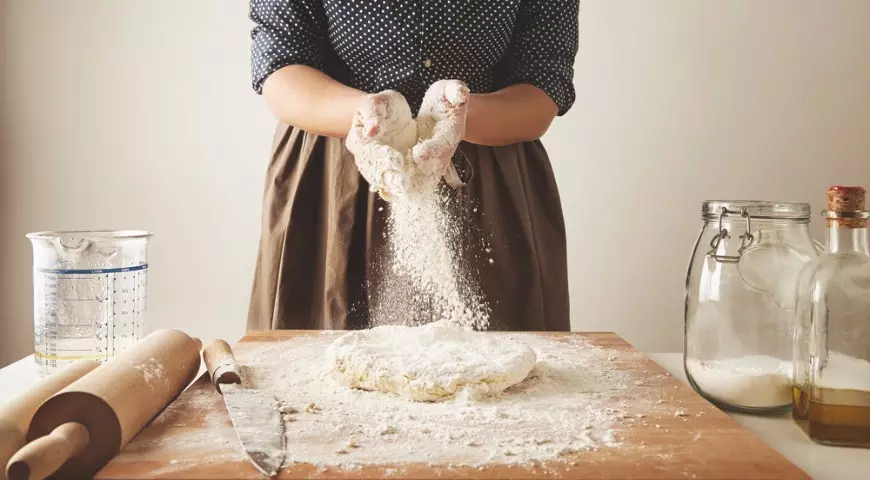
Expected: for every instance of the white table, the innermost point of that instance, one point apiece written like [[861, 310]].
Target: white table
[[780, 433]]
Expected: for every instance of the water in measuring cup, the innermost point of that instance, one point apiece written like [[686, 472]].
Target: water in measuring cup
[[90, 300]]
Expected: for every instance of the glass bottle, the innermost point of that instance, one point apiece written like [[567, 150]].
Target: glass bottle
[[739, 309], [832, 336]]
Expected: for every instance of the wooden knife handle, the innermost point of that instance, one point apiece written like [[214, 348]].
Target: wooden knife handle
[[221, 363], [45, 455]]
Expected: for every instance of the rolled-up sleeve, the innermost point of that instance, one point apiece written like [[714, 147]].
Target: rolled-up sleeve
[[543, 48], [285, 32]]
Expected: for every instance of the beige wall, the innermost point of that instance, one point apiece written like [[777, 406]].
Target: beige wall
[[138, 114]]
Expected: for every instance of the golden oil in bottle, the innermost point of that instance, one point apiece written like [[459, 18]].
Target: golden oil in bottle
[[833, 416]]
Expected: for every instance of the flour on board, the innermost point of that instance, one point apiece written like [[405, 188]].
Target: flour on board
[[577, 405], [570, 403]]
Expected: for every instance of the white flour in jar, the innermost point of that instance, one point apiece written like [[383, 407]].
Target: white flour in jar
[[755, 381], [844, 372]]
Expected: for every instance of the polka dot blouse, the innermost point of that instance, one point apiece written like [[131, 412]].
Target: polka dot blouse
[[406, 45]]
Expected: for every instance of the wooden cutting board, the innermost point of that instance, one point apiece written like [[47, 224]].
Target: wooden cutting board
[[706, 445]]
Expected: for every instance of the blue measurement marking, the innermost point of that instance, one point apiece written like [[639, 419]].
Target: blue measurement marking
[[98, 271]]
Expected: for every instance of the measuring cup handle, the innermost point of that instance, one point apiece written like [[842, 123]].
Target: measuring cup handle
[[72, 244]]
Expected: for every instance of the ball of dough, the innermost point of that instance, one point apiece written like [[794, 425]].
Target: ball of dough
[[430, 362]]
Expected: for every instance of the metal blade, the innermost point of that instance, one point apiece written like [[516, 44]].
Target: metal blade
[[258, 425]]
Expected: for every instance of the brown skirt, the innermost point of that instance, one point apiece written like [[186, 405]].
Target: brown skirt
[[322, 231]]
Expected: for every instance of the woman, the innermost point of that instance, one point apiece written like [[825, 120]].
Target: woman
[[316, 61]]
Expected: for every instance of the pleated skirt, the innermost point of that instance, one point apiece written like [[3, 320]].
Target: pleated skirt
[[324, 237]]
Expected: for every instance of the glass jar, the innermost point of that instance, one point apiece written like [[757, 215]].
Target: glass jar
[[832, 336], [740, 297]]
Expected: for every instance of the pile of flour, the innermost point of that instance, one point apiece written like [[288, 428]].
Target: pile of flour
[[429, 362]]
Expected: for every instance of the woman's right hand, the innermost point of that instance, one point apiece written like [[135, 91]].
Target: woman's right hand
[[380, 164]]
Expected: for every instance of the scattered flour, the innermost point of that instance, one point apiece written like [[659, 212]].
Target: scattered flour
[[429, 362], [755, 381], [199, 434], [151, 371], [567, 405]]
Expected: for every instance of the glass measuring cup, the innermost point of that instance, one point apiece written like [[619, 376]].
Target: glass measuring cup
[[89, 294]]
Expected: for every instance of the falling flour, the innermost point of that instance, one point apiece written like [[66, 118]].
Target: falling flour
[[424, 278], [420, 278], [755, 381]]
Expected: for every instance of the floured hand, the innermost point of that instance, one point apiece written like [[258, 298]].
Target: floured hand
[[380, 139], [440, 128]]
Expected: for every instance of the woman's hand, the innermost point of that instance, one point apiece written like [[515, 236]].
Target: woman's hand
[[441, 126], [371, 141]]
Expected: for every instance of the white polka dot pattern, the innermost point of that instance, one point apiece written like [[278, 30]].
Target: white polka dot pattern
[[407, 45]]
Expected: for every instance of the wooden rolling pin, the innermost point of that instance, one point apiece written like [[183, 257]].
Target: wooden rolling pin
[[15, 416], [78, 430]]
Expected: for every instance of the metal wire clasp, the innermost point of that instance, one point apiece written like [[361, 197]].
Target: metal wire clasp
[[745, 240]]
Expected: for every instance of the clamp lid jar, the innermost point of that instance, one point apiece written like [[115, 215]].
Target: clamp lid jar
[[739, 302]]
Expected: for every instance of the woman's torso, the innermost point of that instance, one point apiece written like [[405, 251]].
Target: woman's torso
[[408, 45]]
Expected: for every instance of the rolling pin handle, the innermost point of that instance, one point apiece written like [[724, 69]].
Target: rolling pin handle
[[45, 455], [221, 364]]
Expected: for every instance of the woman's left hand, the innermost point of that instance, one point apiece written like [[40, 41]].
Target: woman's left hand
[[376, 159], [441, 126]]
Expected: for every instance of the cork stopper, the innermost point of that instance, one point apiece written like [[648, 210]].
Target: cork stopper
[[846, 200]]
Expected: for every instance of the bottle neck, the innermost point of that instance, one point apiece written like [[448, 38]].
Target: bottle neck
[[847, 240]]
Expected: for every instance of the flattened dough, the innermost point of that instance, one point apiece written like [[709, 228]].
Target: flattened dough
[[430, 362]]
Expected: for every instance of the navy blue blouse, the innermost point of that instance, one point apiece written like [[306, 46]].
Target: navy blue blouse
[[406, 45]]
